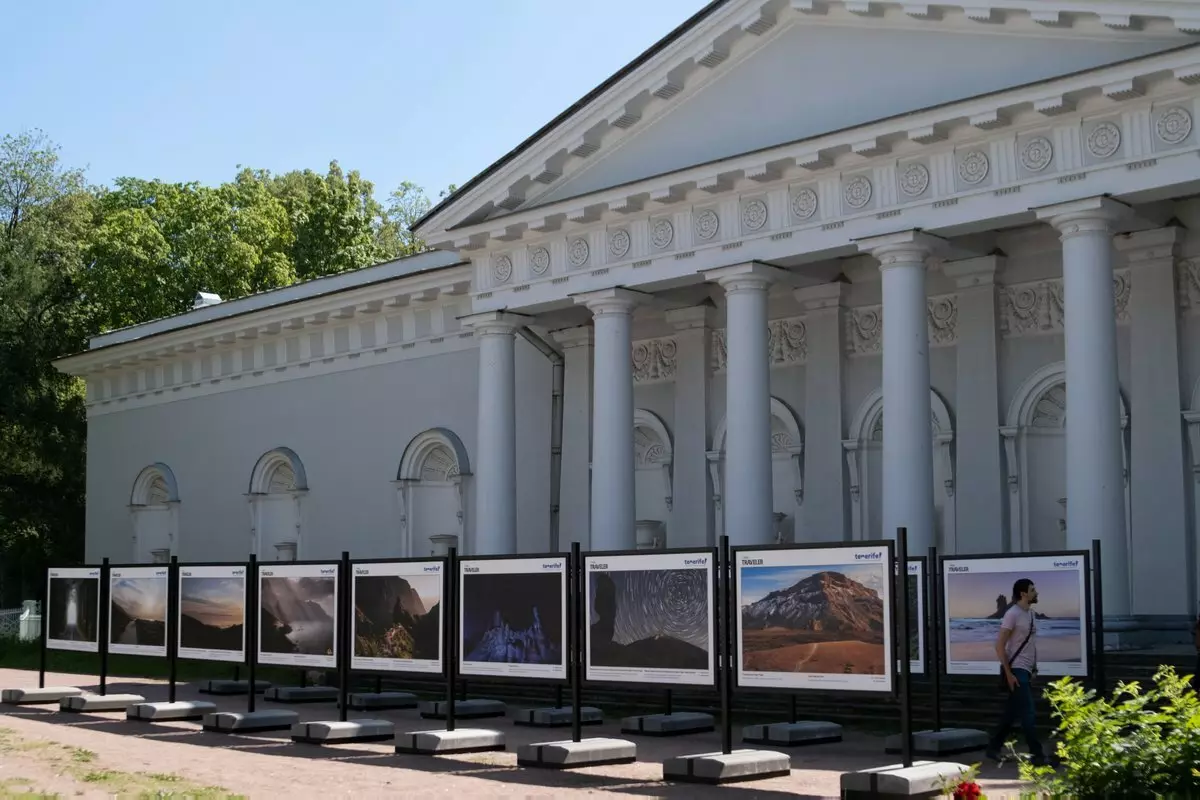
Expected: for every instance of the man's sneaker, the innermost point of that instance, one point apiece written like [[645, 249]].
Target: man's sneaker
[[992, 755]]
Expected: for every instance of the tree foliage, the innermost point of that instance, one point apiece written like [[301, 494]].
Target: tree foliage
[[77, 260]]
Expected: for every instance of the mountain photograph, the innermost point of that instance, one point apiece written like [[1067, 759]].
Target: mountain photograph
[[397, 617], [513, 618], [826, 619], [212, 613], [297, 615], [138, 610], [649, 619]]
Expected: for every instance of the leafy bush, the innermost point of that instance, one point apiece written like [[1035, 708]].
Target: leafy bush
[[1138, 743]]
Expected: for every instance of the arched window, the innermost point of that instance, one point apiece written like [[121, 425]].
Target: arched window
[[154, 512], [431, 495], [277, 484], [652, 453]]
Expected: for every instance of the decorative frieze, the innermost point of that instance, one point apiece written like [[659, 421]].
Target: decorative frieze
[[654, 360], [1036, 307], [864, 326], [1188, 273]]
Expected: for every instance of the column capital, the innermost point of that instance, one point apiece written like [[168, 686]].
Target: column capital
[[693, 317], [583, 336], [826, 295], [1090, 215], [499, 323], [904, 248], [751, 276], [974, 271], [1153, 245], [611, 301]]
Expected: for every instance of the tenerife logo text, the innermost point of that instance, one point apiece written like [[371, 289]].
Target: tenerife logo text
[[434, 569], [329, 571], [1072, 564], [695, 562], [552, 565], [878, 554]]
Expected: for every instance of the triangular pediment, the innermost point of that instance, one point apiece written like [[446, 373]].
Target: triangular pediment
[[746, 75]]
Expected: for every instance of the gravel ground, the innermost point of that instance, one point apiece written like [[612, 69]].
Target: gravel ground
[[99, 755]]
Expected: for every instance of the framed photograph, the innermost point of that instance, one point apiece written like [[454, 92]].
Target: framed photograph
[[298, 613], [650, 618], [978, 590], [397, 619], [513, 617], [916, 609], [137, 610], [815, 618], [212, 612], [72, 616]]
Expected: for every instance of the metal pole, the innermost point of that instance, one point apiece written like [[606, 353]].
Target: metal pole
[[378, 684], [172, 626], [933, 631], [905, 664], [793, 714], [345, 617], [1098, 621], [250, 626], [102, 634], [451, 627], [575, 630], [669, 703], [45, 628], [726, 647]]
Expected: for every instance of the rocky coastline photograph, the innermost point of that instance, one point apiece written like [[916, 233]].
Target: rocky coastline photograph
[[513, 618], [74, 611], [649, 619], [813, 619], [212, 615], [298, 617], [397, 617], [138, 612]]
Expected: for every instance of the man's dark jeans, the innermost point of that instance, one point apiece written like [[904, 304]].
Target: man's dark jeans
[[1018, 711]]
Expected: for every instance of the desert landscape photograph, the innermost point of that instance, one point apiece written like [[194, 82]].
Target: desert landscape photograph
[[74, 612], [137, 622], [825, 619], [649, 619], [298, 618], [212, 614], [513, 618], [397, 620]]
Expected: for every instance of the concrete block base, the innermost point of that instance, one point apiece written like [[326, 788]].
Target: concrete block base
[[557, 717], [792, 734], [571, 755], [677, 724], [923, 779], [381, 701], [274, 719], [88, 703], [170, 712], [717, 768], [441, 743], [301, 694], [355, 730], [233, 687], [34, 697], [946, 742], [463, 709]]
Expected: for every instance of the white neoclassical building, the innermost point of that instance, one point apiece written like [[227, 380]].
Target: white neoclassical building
[[806, 270]]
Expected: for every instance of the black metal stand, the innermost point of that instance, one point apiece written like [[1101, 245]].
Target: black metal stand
[[172, 627], [669, 703], [378, 684], [793, 717], [102, 634], [252, 621], [45, 628], [346, 616], [575, 659], [1098, 622], [450, 625], [726, 649], [933, 631], [558, 695], [906, 731]]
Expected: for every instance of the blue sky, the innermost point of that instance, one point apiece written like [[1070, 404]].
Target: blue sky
[[758, 582], [424, 90]]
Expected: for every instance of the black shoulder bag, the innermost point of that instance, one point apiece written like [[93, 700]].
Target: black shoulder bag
[[1003, 678]]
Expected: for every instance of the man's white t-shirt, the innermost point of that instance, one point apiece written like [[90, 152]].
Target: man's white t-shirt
[[1021, 623]]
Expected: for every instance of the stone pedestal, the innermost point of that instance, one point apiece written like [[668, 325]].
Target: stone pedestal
[[718, 768], [441, 743], [301, 694], [381, 701], [946, 742], [463, 709], [170, 712], [792, 734], [87, 703], [275, 719], [922, 779], [223, 687], [348, 732], [572, 755], [557, 717], [678, 724], [33, 697]]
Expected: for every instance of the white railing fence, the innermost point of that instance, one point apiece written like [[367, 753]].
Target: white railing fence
[[24, 623]]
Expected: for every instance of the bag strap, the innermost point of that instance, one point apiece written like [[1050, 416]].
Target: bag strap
[[1032, 622]]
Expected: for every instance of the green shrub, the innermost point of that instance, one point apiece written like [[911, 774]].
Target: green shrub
[[1138, 743]]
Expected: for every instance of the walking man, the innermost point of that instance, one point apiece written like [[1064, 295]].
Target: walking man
[[1016, 649]]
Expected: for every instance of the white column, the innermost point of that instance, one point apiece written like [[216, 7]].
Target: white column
[[574, 516], [612, 419], [1158, 498], [496, 454], [826, 501], [907, 426], [1095, 468], [978, 485], [691, 513], [746, 495]]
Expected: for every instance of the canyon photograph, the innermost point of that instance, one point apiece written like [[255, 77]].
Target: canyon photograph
[[397, 618]]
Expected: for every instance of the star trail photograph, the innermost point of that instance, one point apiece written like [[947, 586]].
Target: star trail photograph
[[650, 617]]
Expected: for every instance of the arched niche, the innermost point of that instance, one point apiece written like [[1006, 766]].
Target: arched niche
[[652, 451], [864, 462], [1034, 438], [787, 473], [154, 514], [278, 482], [430, 493]]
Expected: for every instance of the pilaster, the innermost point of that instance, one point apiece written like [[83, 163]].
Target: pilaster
[[691, 514], [1157, 493], [575, 490], [978, 480], [826, 502]]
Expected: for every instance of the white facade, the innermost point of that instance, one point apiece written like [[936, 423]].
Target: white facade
[[805, 271]]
